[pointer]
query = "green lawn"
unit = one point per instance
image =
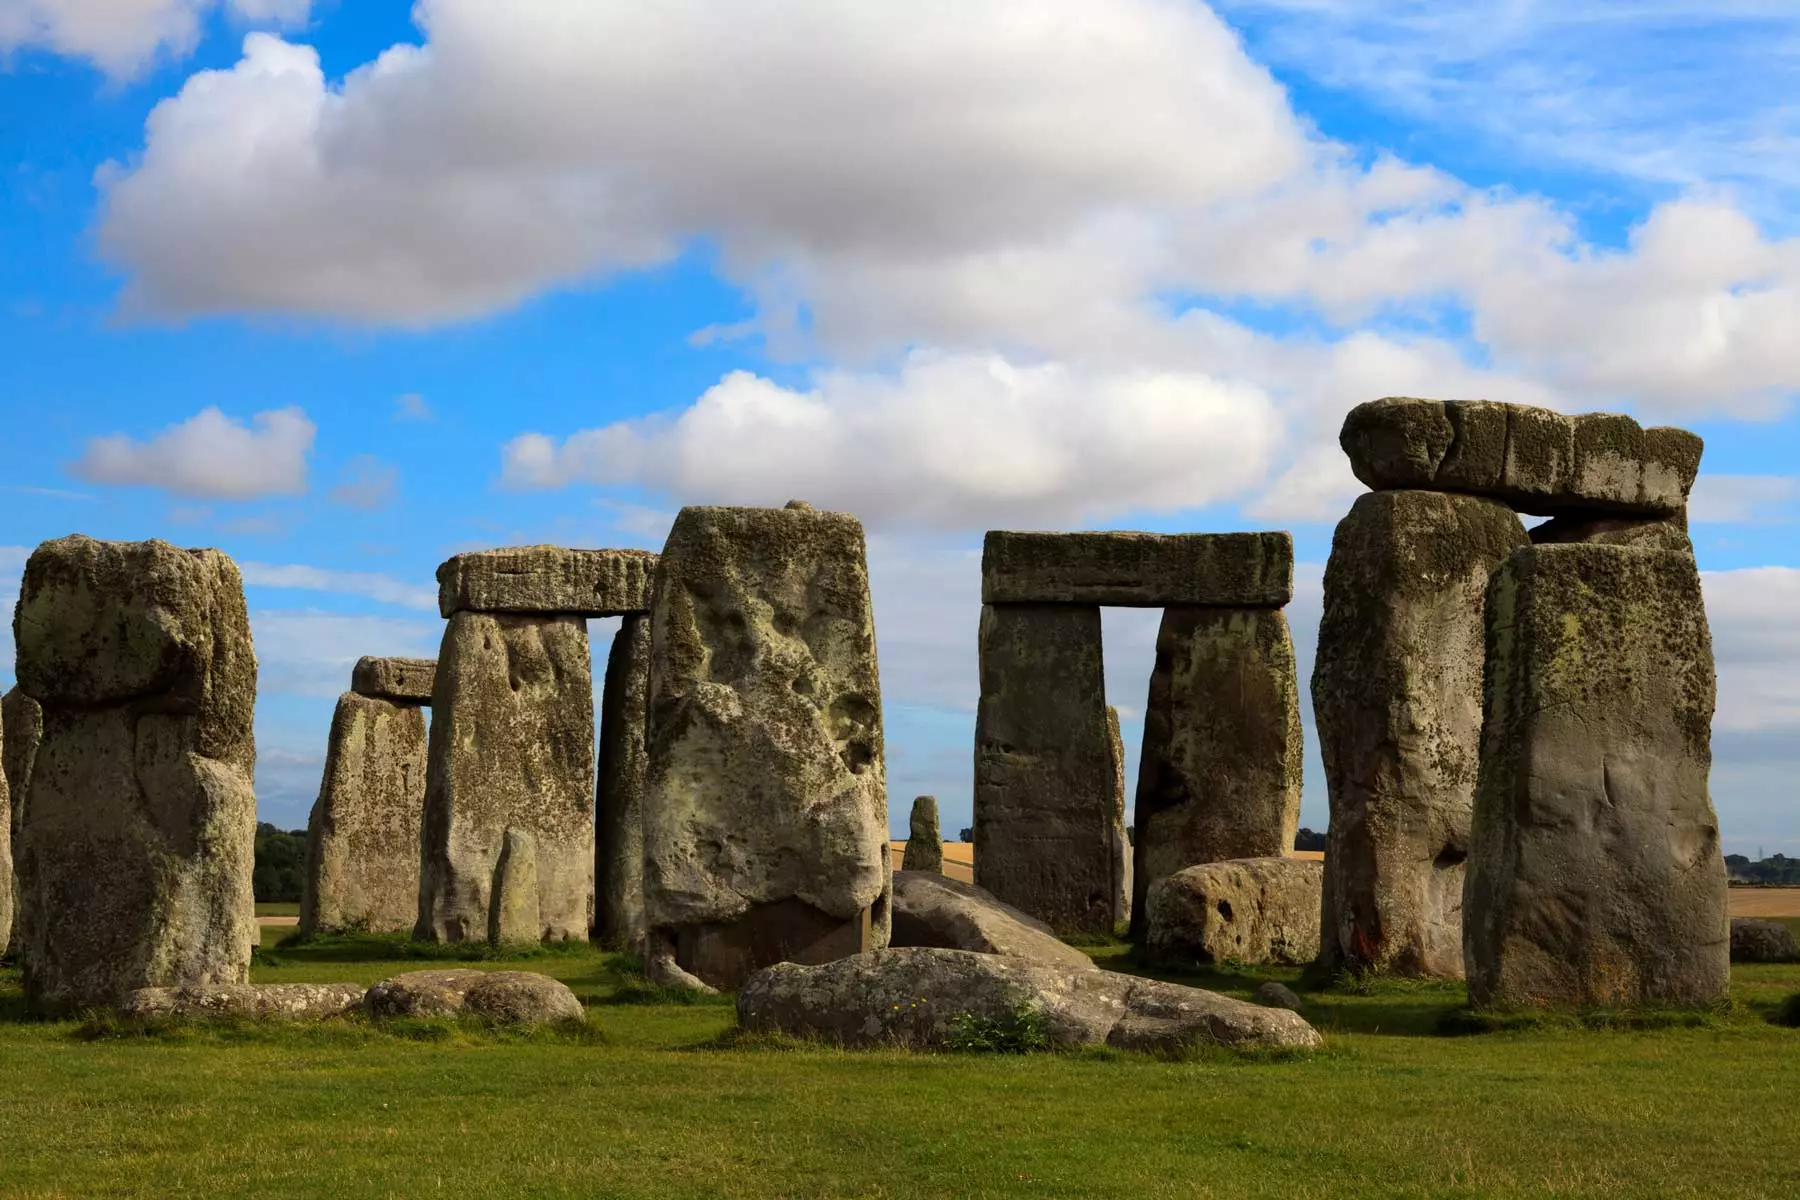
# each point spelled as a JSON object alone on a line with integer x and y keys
{"x": 662, "y": 1102}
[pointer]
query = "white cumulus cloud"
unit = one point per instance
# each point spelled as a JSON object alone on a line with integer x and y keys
{"x": 209, "y": 455}
{"x": 122, "y": 37}
{"x": 368, "y": 584}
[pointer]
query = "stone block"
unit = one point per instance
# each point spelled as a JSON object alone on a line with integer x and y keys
{"x": 622, "y": 777}
{"x": 547, "y": 580}
{"x": 924, "y": 844}
{"x": 402, "y": 680}
{"x": 1138, "y": 570}
{"x": 1248, "y": 910}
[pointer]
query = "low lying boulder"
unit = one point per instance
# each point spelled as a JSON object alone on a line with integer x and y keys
{"x": 260, "y": 1001}
{"x": 1248, "y": 910}
{"x": 505, "y": 997}
{"x": 1754, "y": 940}
{"x": 918, "y": 998}
{"x": 932, "y": 910}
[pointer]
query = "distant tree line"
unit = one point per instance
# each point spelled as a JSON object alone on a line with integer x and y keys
{"x": 1778, "y": 869}
{"x": 280, "y": 865}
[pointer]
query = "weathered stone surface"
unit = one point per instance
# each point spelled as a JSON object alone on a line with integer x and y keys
{"x": 256, "y": 1001}
{"x": 547, "y": 580}
{"x": 513, "y": 911}
{"x": 1396, "y": 695}
{"x": 1219, "y": 777}
{"x": 661, "y": 969}
{"x": 136, "y": 852}
{"x": 362, "y": 839}
{"x": 1277, "y": 995}
{"x": 1645, "y": 533}
{"x": 1534, "y": 459}
{"x": 1121, "y": 843}
{"x": 1756, "y": 940}
{"x": 1137, "y": 570}
{"x": 504, "y": 997}
{"x": 403, "y": 680}
{"x": 23, "y": 720}
{"x": 924, "y": 845}
{"x": 932, "y": 910}
{"x": 6, "y": 867}
{"x": 1249, "y": 910}
{"x": 765, "y": 814}
{"x": 1045, "y": 807}
{"x": 1595, "y": 874}
{"x": 622, "y": 778}
{"x": 914, "y": 998}
{"x": 511, "y": 747}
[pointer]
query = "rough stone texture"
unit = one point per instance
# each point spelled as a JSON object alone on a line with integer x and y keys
{"x": 765, "y": 814}
{"x": 504, "y": 997}
{"x": 1645, "y": 533}
{"x": 1396, "y": 695}
{"x": 1595, "y": 874}
{"x": 1534, "y": 459}
{"x": 932, "y": 910}
{"x": 547, "y": 580}
{"x": 1138, "y": 570}
{"x": 256, "y": 1001}
{"x": 403, "y": 680}
{"x": 136, "y": 853}
{"x": 23, "y": 719}
{"x": 6, "y": 867}
{"x": 362, "y": 839}
{"x": 513, "y": 911}
{"x": 924, "y": 845}
{"x": 1121, "y": 841}
{"x": 511, "y": 747}
{"x": 1219, "y": 776}
{"x": 661, "y": 969}
{"x": 1045, "y": 811}
{"x": 914, "y": 997}
{"x": 1249, "y": 910}
{"x": 1278, "y": 995}
{"x": 622, "y": 777}
{"x": 1755, "y": 940}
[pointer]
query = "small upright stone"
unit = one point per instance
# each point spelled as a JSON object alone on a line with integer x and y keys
{"x": 924, "y": 846}
{"x": 1595, "y": 873}
{"x": 621, "y": 779}
{"x": 136, "y": 852}
{"x": 513, "y": 917}
{"x": 549, "y": 580}
{"x": 765, "y": 815}
{"x": 402, "y": 680}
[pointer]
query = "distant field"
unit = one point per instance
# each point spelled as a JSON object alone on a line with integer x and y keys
{"x": 1765, "y": 902}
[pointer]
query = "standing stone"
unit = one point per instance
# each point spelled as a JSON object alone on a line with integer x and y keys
{"x": 514, "y": 914}
{"x": 1121, "y": 845}
{"x": 511, "y": 746}
{"x": 1220, "y": 771}
{"x": 924, "y": 845}
{"x": 765, "y": 817}
{"x": 622, "y": 776}
{"x": 362, "y": 840}
{"x": 1397, "y": 699}
{"x": 1045, "y": 780}
{"x": 6, "y": 866}
{"x": 23, "y": 719}
{"x": 1595, "y": 873}
{"x": 136, "y": 853}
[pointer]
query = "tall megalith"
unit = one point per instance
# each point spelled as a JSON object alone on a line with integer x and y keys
{"x": 1595, "y": 871}
{"x": 619, "y": 799}
{"x": 511, "y": 742}
{"x": 924, "y": 843}
{"x": 1396, "y": 695}
{"x": 137, "y": 848}
{"x": 6, "y": 863}
{"x": 765, "y": 815}
{"x": 22, "y": 720}
{"x": 362, "y": 839}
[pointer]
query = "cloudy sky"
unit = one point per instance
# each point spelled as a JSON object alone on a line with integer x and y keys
{"x": 344, "y": 289}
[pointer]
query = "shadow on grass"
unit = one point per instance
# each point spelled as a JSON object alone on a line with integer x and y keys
{"x": 103, "y": 1025}
{"x": 1467, "y": 1020}
{"x": 297, "y": 948}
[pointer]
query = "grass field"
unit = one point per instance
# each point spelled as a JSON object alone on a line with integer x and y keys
{"x": 657, "y": 1098}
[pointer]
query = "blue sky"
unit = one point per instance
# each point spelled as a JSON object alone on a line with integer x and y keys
{"x": 343, "y": 289}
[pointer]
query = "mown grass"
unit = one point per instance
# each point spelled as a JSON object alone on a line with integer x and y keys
{"x": 653, "y": 1097}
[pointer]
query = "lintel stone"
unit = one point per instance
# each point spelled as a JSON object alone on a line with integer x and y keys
{"x": 547, "y": 580}
{"x": 1138, "y": 570}
{"x": 402, "y": 680}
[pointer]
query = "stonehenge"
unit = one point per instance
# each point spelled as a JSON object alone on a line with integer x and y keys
{"x": 1048, "y": 813}
{"x": 924, "y": 845}
{"x": 619, "y": 789}
{"x": 362, "y": 838}
{"x": 511, "y": 752}
{"x": 135, "y": 854}
{"x": 6, "y": 867}
{"x": 765, "y": 810}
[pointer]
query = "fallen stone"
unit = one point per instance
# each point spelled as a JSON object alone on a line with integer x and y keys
{"x": 1536, "y": 460}
{"x": 1045, "y": 782}
{"x": 933, "y": 910}
{"x": 1277, "y": 995}
{"x": 402, "y": 680}
{"x": 924, "y": 845}
{"x": 511, "y": 747}
{"x": 1595, "y": 873}
{"x": 1250, "y": 910}
{"x": 254, "y": 1001}
{"x": 1396, "y": 693}
{"x": 504, "y": 997}
{"x": 1138, "y": 570}
{"x": 136, "y": 852}
{"x": 621, "y": 779}
{"x": 362, "y": 839}
{"x": 1754, "y": 940}
{"x": 765, "y": 812}
{"x": 661, "y": 969}
{"x": 1220, "y": 772}
{"x": 918, "y": 998}
{"x": 547, "y": 580}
